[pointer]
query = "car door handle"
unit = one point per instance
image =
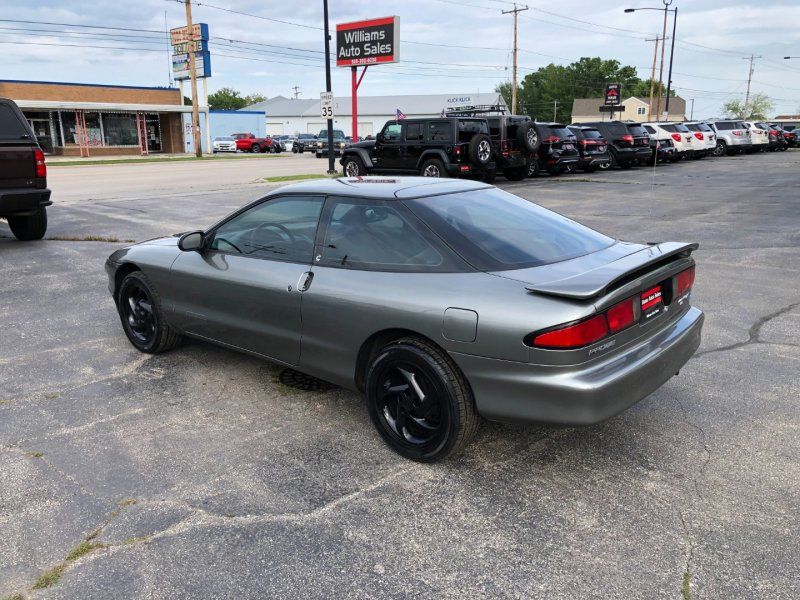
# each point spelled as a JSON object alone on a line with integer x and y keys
{"x": 305, "y": 281}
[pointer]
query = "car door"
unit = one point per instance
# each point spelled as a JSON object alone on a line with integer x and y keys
{"x": 413, "y": 134}
{"x": 244, "y": 289}
{"x": 387, "y": 146}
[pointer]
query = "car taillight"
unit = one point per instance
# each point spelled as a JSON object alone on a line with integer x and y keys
{"x": 676, "y": 137}
{"x": 551, "y": 139}
{"x": 621, "y": 315}
{"x": 737, "y": 133}
{"x": 41, "y": 167}
{"x": 627, "y": 138}
{"x": 458, "y": 150}
{"x": 574, "y": 335}
{"x": 698, "y": 135}
{"x": 685, "y": 280}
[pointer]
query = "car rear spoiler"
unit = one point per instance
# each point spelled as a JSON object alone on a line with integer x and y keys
{"x": 603, "y": 280}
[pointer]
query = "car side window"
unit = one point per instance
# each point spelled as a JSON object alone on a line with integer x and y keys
{"x": 278, "y": 229}
{"x": 391, "y": 133}
{"x": 374, "y": 235}
{"x": 649, "y": 129}
{"x": 414, "y": 132}
{"x": 439, "y": 132}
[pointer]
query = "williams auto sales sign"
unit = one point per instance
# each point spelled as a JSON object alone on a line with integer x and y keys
{"x": 368, "y": 42}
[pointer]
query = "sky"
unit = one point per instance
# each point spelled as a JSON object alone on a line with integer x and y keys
{"x": 446, "y": 46}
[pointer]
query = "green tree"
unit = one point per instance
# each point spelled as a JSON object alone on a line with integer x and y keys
{"x": 226, "y": 99}
{"x": 551, "y": 89}
{"x": 757, "y": 108}
{"x": 254, "y": 98}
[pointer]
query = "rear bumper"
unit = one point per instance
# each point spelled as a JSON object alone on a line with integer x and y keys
{"x": 20, "y": 201}
{"x": 593, "y": 160}
{"x": 581, "y": 394}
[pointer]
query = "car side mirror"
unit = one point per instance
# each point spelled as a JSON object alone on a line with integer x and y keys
{"x": 191, "y": 241}
{"x": 379, "y": 137}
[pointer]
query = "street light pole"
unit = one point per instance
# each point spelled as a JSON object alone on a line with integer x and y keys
{"x": 661, "y": 68}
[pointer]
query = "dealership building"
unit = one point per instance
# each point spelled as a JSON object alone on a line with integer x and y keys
{"x": 286, "y": 116}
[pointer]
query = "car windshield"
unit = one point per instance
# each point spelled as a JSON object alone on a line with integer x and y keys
{"x": 224, "y": 138}
{"x": 497, "y": 231}
{"x": 306, "y": 136}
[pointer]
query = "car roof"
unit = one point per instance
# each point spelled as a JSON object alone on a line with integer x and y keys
{"x": 382, "y": 187}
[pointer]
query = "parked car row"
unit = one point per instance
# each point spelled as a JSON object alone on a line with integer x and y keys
{"x": 469, "y": 143}
{"x": 247, "y": 142}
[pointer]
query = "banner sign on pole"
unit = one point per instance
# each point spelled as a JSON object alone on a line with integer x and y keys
{"x": 368, "y": 42}
{"x": 612, "y": 94}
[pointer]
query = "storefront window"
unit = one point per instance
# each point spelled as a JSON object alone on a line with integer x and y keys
{"x": 120, "y": 130}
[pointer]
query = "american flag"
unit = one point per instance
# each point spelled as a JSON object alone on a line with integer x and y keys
{"x": 399, "y": 115}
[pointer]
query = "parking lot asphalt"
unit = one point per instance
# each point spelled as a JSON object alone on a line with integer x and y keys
{"x": 196, "y": 473}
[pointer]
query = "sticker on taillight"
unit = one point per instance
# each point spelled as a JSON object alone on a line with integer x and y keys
{"x": 652, "y": 302}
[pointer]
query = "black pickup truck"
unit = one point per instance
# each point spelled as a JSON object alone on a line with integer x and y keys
{"x": 23, "y": 176}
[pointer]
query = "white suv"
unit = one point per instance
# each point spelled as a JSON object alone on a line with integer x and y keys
{"x": 732, "y": 136}
{"x": 703, "y": 133}
{"x": 682, "y": 138}
{"x": 759, "y": 137}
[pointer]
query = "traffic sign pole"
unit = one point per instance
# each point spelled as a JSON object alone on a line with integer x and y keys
{"x": 331, "y": 170}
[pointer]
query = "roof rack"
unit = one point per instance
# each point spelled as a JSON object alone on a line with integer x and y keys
{"x": 478, "y": 109}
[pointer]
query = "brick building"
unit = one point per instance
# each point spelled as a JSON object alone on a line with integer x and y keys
{"x": 103, "y": 119}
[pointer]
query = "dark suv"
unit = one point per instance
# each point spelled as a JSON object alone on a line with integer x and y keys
{"x": 558, "y": 149}
{"x": 305, "y": 141}
{"x": 435, "y": 147}
{"x": 23, "y": 176}
{"x": 592, "y": 147}
{"x": 628, "y": 143}
{"x": 339, "y": 143}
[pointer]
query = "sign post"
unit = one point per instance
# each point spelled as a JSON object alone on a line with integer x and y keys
{"x": 191, "y": 60}
{"x": 364, "y": 43}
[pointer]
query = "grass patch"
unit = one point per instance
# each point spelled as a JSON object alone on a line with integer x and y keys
{"x": 13, "y": 597}
{"x": 279, "y": 178}
{"x": 87, "y": 238}
{"x": 36, "y": 454}
{"x": 155, "y": 159}
{"x": 82, "y": 549}
{"x": 687, "y": 585}
{"x": 126, "y": 502}
{"x": 49, "y": 577}
{"x": 135, "y": 540}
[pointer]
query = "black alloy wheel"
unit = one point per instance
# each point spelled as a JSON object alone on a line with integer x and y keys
{"x": 142, "y": 319}
{"x": 353, "y": 167}
{"x": 255, "y": 148}
{"x": 433, "y": 168}
{"x": 419, "y": 401}
{"x": 721, "y": 148}
{"x": 533, "y": 167}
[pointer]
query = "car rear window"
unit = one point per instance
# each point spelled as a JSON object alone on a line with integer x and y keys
{"x": 681, "y": 127}
{"x": 725, "y": 125}
{"x": 591, "y": 134}
{"x": 497, "y": 231}
{"x": 10, "y": 126}
{"x": 698, "y": 127}
{"x": 637, "y": 130}
{"x": 561, "y": 131}
{"x": 577, "y": 132}
{"x": 467, "y": 129}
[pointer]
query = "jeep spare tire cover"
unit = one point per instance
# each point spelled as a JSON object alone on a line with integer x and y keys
{"x": 527, "y": 136}
{"x": 480, "y": 149}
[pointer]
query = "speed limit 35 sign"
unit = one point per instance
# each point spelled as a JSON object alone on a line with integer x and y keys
{"x": 326, "y": 105}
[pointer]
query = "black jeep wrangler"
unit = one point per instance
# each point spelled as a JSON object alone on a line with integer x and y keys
{"x": 515, "y": 139}
{"x": 24, "y": 196}
{"x": 434, "y": 147}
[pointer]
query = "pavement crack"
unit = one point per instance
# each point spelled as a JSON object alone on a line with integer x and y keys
{"x": 753, "y": 333}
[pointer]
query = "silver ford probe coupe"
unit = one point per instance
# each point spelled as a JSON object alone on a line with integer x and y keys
{"x": 441, "y": 300}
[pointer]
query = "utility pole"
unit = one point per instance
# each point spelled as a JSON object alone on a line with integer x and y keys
{"x": 749, "y": 79}
{"x": 671, "y": 56}
{"x": 198, "y": 151}
{"x": 169, "y": 55}
{"x": 331, "y": 158}
{"x": 296, "y": 92}
{"x": 555, "y": 109}
{"x": 691, "y": 114}
{"x": 515, "y": 12}
{"x": 652, "y": 79}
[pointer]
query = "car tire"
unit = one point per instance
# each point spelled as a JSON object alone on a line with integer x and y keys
{"x": 318, "y": 155}
{"x": 142, "y": 315}
{"x": 721, "y": 148}
{"x": 605, "y": 166}
{"x": 480, "y": 149}
{"x": 571, "y": 169}
{"x": 528, "y": 137}
{"x": 255, "y": 148}
{"x": 27, "y": 228}
{"x": 419, "y": 401}
{"x": 489, "y": 176}
{"x": 517, "y": 173}
{"x": 614, "y": 162}
{"x": 433, "y": 168}
{"x": 533, "y": 168}
{"x": 555, "y": 171}
{"x": 353, "y": 166}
